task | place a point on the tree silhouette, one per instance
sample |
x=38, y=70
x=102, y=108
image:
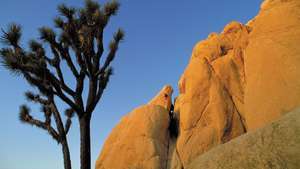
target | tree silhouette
x=79, y=43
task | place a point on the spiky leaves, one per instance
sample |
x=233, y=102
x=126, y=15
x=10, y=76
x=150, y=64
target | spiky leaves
x=111, y=8
x=30, y=96
x=79, y=43
x=12, y=35
x=9, y=60
x=37, y=47
x=25, y=117
x=91, y=6
x=104, y=79
x=11, y=57
x=47, y=34
x=66, y=11
x=80, y=30
x=113, y=46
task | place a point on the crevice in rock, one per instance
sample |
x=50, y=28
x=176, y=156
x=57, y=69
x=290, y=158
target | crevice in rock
x=173, y=131
x=227, y=91
x=181, y=164
x=173, y=124
x=202, y=113
x=240, y=116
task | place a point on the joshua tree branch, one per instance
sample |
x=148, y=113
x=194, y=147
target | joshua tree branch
x=100, y=48
x=64, y=52
x=81, y=32
x=58, y=120
x=27, y=118
x=56, y=64
x=114, y=45
x=103, y=81
x=61, y=95
x=69, y=113
x=79, y=89
x=36, y=98
x=68, y=125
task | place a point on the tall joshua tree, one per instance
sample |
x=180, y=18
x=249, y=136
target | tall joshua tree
x=78, y=43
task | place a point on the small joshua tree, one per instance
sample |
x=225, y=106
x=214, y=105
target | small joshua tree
x=79, y=43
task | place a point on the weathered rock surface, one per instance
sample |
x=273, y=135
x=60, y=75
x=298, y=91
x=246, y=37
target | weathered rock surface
x=241, y=79
x=276, y=146
x=163, y=98
x=141, y=139
x=211, y=93
x=272, y=63
x=237, y=81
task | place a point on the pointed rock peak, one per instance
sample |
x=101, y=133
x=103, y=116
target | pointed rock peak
x=163, y=98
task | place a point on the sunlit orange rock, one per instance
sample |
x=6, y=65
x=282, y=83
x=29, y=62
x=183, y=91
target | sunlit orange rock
x=243, y=78
x=237, y=81
x=140, y=140
x=163, y=98
x=272, y=63
x=210, y=104
x=276, y=145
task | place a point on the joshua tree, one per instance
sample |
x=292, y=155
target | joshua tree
x=78, y=43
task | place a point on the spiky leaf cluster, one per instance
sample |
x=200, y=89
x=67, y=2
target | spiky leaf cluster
x=77, y=41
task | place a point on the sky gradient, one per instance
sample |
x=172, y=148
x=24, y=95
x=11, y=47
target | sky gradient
x=160, y=36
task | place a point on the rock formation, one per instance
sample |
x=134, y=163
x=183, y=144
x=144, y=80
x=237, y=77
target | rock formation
x=272, y=63
x=237, y=81
x=275, y=146
x=141, y=139
x=211, y=93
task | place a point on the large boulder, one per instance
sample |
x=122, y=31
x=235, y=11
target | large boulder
x=141, y=139
x=240, y=79
x=210, y=104
x=275, y=146
x=272, y=63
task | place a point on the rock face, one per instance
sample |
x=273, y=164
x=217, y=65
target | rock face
x=275, y=146
x=237, y=81
x=272, y=63
x=211, y=93
x=241, y=79
x=141, y=139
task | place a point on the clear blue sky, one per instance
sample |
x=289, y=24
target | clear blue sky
x=159, y=39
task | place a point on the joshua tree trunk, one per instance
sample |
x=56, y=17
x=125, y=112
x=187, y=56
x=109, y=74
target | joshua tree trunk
x=66, y=154
x=85, y=143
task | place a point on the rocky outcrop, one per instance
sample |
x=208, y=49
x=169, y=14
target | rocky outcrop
x=237, y=81
x=210, y=103
x=241, y=79
x=275, y=146
x=141, y=139
x=272, y=63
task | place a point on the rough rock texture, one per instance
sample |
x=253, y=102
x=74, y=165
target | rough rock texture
x=163, y=98
x=237, y=81
x=210, y=104
x=276, y=146
x=240, y=80
x=141, y=139
x=272, y=63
